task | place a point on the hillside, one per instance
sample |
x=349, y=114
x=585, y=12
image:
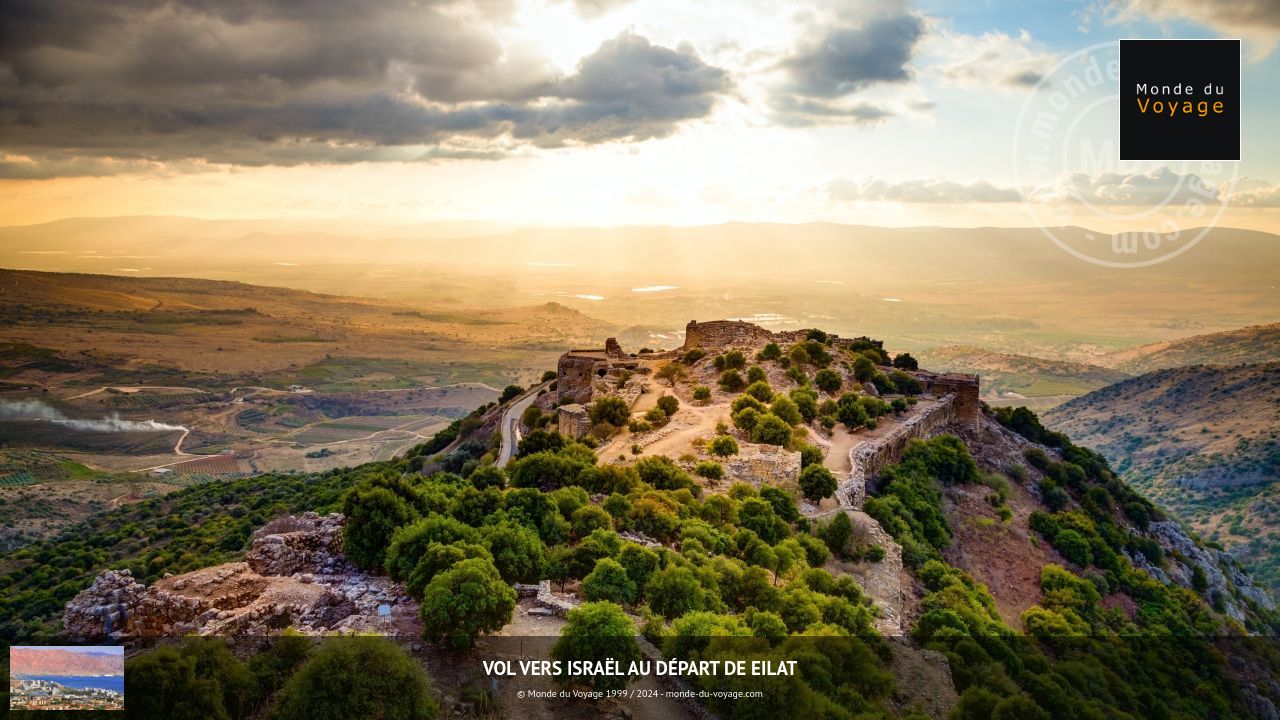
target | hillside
x=52, y=661
x=1019, y=379
x=1201, y=440
x=1254, y=344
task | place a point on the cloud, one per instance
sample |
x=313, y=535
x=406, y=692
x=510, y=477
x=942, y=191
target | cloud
x=90, y=87
x=1160, y=186
x=1254, y=20
x=1252, y=193
x=821, y=76
x=934, y=190
x=993, y=59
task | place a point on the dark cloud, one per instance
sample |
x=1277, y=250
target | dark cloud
x=844, y=61
x=298, y=81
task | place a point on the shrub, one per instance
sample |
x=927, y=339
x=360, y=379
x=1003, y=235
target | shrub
x=675, y=591
x=785, y=408
x=595, y=632
x=611, y=410
x=373, y=515
x=724, y=446
x=755, y=374
x=461, y=603
x=731, y=381
x=817, y=482
x=655, y=416
x=662, y=473
x=437, y=558
x=760, y=391
x=905, y=362
x=836, y=534
x=702, y=393
x=1074, y=547
x=609, y=581
x=330, y=686
x=487, y=476
x=518, y=553
x=828, y=381
x=669, y=404
x=770, y=351
x=709, y=470
x=771, y=430
x=200, y=679
x=510, y=392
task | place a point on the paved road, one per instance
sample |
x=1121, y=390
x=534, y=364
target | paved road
x=510, y=419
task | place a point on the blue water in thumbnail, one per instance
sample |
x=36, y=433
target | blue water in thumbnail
x=106, y=682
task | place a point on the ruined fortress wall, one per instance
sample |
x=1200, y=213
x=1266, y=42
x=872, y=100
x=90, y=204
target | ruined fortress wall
x=577, y=373
x=724, y=334
x=869, y=458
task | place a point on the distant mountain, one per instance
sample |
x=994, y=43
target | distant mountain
x=51, y=661
x=1203, y=441
x=1255, y=344
x=1015, y=379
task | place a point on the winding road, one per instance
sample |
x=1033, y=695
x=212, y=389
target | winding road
x=511, y=421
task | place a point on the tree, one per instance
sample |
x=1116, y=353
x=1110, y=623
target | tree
x=610, y=409
x=518, y=553
x=756, y=374
x=1073, y=547
x=669, y=404
x=731, y=381
x=806, y=402
x=760, y=390
x=437, y=558
x=609, y=581
x=595, y=632
x=675, y=591
x=487, y=476
x=337, y=682
x=589, y=518
x=673, y=373
x=828, y=381
x=510, y=392
x=373, y=515
x=540, y=440
x=770, y=351
x=850, y=412
x=709, y=470
x=548, y=375
x=863, y=368
x=662, y=473
x=461, y=603
x=836, y=534
x=702, y=393
x=817, y=482
x=785, y=408
x=197, y=680
x=724, y=446
x=410, y=542
x=771, y=430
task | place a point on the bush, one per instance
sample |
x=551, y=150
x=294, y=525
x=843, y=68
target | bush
x=724, y=446
x=518, y=553
x=611, y=410
x=437, y=558
x=655, y=416
x=702, y=393
x=675, y=591
x=905, y=362
x=760, y=391
x=828, y=381
x=836, y=534
x=461, y=603
x=710, y=470
x=1074, y=547
x=609, y=581
x=373, y=515
x=770, y=351
x=589, y=518
x=817, y=482
x=771, y=430
x=731, y=381
x=662, y=473
x=669, y=404
x=198, y=680
x=487, y=476
x=595, y=632
x=755, y=374
x=785, y=408
x=339, y=682
x=510, y=392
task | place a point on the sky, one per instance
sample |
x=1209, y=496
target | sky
x=604, y=112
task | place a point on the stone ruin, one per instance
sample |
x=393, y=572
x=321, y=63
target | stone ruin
x=578, y=371
x=294, y=575
x=573, y=421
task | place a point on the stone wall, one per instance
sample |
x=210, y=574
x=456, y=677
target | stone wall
x=572, y=421
x=869, y=458
x=716, y=334
x=964, y=387
x=577, y=372
x=760, y=465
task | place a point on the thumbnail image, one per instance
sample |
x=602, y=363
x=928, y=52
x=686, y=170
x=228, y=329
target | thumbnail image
x=66, y=677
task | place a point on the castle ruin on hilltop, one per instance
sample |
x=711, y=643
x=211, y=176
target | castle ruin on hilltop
x=579, y=371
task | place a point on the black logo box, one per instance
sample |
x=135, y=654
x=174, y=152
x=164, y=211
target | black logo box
x=1188, y=64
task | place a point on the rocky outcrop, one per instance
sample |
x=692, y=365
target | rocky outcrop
x=105, y=608
x=1186, y=556
x=294, y=575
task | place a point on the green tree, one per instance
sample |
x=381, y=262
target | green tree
x=837, y=532
x=709, y=470
x=756, y=374
x=828, y=381
x=609, y=581
x=669, y=404
x=518, y=553
x=785, y=408
x=702, y=393
x=662, y=473
x=675, y=591
x=373, y=516
x=1073, y=547
x=410, y=542
x=817, y=482
x=760, y=390
x=863, y=368
x=904, y=361
x=487, y=476
x=731, y=381
x=196, y=680
x=771, y=430
x=597, y=631
x=770, y=351
x=461, y=603
x=589, y=518
x=439, y=557
x=357, y=677
x=610, y=409
x=724, y=446
x=510, y=392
